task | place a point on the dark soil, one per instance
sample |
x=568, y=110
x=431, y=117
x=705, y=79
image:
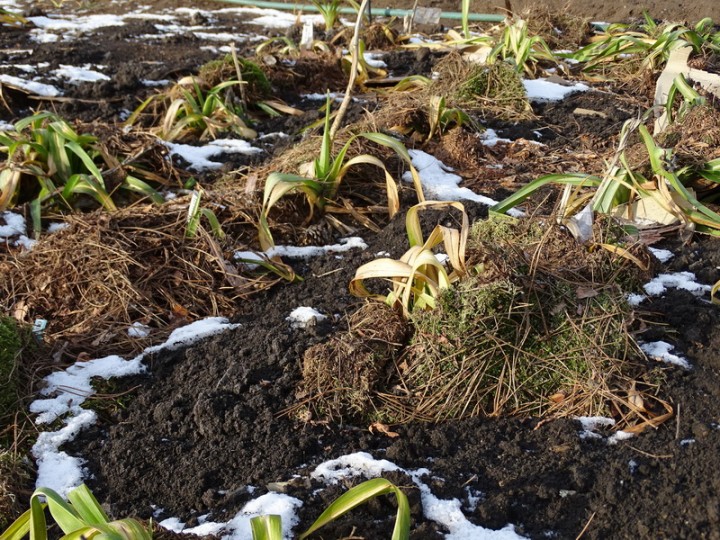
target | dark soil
x=211, y=420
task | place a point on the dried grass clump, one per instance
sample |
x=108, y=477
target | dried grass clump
x=257, y=85
x=496, y=89
x=308, y=73
x=695, y=138
x=540, y=329
x=342, y=375
x=559, y=28
x=107, y=271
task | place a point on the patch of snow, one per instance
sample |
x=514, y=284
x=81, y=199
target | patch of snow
x=335, y=96
x=34, y=87
x=474, y=498
x=351, y=466
x=221, y=36
x=490, y=138
x=138, y=330
x=57, y=226
x=199, y=156
x=172, y=524
x=151, y=83
x=193, y=332
x=662, y=255
x=14, y=224
x=150, y=16
x=619, y=436
x=302, y=316
x=76, y=24
x=591, y=424
x=27, y=68
x=72, y=386
x=635, y=299
x=374, y=60
x=268, y=504
x=77, y=75
x=687, y=442
x=440, y=183
x=448, y=513
x=15, y=227
x=56, y=469
x=273, y=135
x=25, y=242
x=6, y=126
x=679, y=280
x=545, y=90
x=304, y=252
x=205, y=529
x=660, y=350
x=271, y=18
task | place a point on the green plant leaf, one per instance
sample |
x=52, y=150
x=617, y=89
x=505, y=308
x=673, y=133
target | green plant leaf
x=359, y=495
x=324, y=161
x=400, y=149
x=19, y=528
x=575, y=179
x=267, y=527
x=139, y=186
x=86, y=505
x=63, y=514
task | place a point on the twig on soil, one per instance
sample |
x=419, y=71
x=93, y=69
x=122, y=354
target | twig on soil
x=648, y=454
x=585, y=528
x=329, y=272
x=677, y=423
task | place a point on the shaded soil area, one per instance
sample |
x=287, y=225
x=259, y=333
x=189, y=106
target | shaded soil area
x=213, y=425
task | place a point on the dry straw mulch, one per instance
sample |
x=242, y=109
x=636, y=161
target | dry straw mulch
x=103, y=273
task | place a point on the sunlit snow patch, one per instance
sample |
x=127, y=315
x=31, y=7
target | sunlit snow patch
x=138, y=330
x=79, y=74
x=440, y=183
x=302, y=252
x=34, y=87
x=199, y=156
x=302, y=316
x=544, y=90
x=15, y=228
x=679, y=280
x=660, y=350
x=662, y=255
x=491, y=138
x=271, y=18
x=591, y=424
x=71, y=387
x=49, y=29
x=660, y=284
x=14, y=224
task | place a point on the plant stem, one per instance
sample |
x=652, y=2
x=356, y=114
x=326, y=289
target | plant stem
x=355, y=51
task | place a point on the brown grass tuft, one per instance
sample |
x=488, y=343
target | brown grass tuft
x=94, y=279
x=341, y=375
